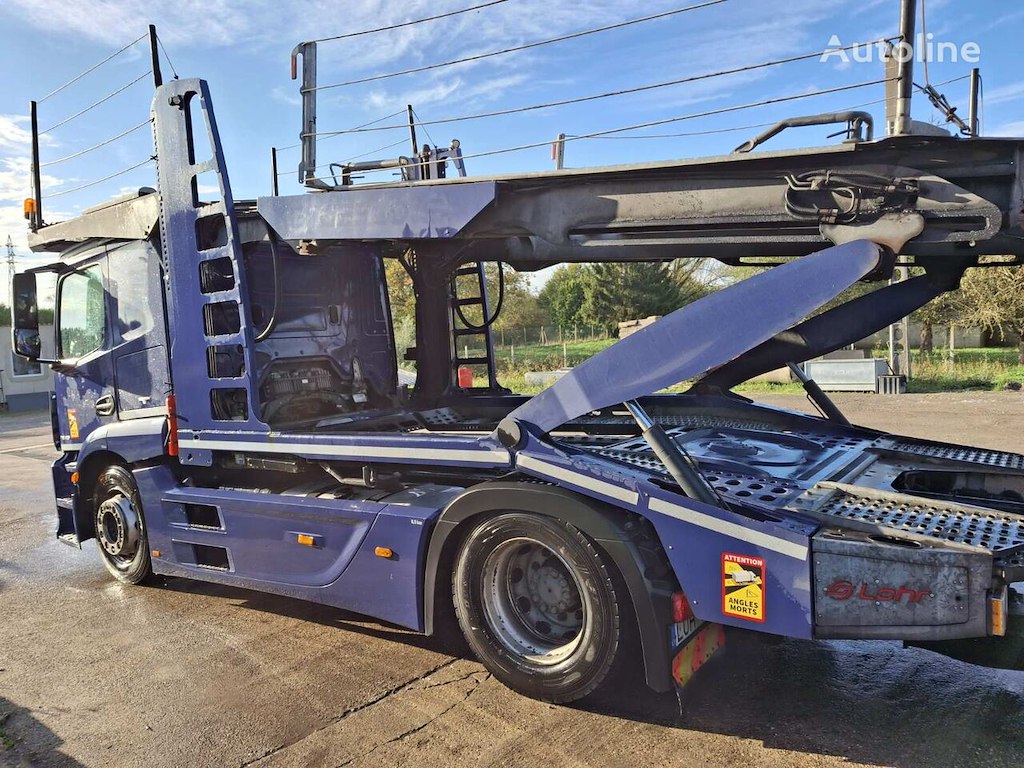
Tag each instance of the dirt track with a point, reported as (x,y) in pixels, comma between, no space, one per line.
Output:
(189,674)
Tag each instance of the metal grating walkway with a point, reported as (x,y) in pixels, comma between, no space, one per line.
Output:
(771,491)
(959,453)
(984,528)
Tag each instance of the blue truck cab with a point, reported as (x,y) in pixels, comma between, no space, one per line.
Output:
(228,407)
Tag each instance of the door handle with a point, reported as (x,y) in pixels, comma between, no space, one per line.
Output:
(105,405)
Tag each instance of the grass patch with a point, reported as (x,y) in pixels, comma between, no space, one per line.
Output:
(5,741)
(973,369)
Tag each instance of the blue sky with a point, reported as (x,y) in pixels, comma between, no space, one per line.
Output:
(243,48)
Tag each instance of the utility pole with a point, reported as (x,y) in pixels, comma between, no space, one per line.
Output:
(11,268)
(558,151)
(412,130)
(975,117)
(899,72)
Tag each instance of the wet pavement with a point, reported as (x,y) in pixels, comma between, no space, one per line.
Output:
(189,674)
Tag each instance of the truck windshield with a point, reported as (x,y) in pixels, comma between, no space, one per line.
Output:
(82,312)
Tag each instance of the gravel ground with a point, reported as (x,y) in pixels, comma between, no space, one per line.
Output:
(191,674)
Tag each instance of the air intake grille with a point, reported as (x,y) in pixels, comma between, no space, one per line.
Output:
(992,530)
(956,453)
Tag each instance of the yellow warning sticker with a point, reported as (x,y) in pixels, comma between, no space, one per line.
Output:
(73,423)
(743,585)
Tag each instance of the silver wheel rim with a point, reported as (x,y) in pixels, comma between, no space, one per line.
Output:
(118,530)
(533,601)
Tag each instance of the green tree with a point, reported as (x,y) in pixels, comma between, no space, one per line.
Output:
(694,278)
(944,309)
(5,315)
(993,298)
(563,295)
(400,292)
(617,292)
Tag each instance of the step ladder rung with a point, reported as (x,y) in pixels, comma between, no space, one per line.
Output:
(471,361)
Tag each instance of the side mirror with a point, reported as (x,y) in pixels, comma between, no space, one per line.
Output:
(25,314)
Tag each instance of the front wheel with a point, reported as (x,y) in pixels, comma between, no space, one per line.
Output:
(539,605)
(120,527)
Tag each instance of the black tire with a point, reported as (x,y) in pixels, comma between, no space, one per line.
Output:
(539,605)
(120,526)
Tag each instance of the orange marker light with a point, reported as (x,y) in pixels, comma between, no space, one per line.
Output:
(306,540)
(74,478)
(383,552)
(156,553)
(998,609)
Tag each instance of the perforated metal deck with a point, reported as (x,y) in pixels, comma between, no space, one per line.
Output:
(766,491)
(957,453)
(1001,532)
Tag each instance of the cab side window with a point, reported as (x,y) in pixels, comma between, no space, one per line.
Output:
(128,273)
(83,313)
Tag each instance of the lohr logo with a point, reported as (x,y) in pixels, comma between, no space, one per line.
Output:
(845,590)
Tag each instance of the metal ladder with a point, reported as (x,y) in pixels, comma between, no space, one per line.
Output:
(463,329)
(211,332)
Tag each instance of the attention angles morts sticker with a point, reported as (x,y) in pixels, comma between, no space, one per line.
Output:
(743,587)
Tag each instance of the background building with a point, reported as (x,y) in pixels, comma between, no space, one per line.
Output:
(25,385)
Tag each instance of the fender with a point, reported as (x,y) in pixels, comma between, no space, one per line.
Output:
(133,439)
(618,532)
(127,442)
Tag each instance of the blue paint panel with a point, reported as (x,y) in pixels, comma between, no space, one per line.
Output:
(701,336)
(390,588)
(695,550)
(696,557)
(139,381)
(397,213)
(259,536)
(260,532)
(133,440)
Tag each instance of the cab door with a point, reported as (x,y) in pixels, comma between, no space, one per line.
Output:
(83,379)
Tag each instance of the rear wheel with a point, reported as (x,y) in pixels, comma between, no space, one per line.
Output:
(120,527)
(539,605)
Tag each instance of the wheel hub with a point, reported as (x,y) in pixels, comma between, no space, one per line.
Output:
(117,527)
(533,600)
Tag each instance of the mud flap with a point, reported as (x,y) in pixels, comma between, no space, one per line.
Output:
(693,645)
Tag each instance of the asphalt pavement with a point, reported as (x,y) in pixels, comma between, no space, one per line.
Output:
(189,674)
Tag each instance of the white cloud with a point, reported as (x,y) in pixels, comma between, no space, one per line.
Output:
(1015,128)
(1004,93)
(14,135)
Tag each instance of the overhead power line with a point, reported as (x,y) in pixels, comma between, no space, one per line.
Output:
(709,132)
(669,120)
(114,175)
(536,44)
(96,146)
(758,125)
(93,68)
(95,104)
(407,23)
(353,130)
(594,97)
